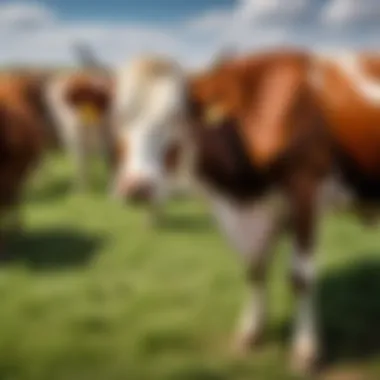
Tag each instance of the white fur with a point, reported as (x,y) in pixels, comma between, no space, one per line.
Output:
(253,317)
(349,63)
(146,112)
(305,336)
(305,342)
(303,267)
(248,226)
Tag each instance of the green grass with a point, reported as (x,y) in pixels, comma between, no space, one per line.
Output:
(93,294)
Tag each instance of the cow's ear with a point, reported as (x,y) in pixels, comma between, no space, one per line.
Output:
(266,126)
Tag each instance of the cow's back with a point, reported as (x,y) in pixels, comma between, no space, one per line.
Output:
(348,90)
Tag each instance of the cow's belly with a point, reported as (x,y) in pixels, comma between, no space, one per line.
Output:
(245,225)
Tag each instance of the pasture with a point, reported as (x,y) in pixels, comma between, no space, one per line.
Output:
(90,293)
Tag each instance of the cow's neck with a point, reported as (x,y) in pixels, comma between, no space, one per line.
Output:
(35,88)
(58,114)
(217,160)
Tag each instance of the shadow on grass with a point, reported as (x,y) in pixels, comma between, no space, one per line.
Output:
(59,187)
(52,249)
(349,312)
(349,302)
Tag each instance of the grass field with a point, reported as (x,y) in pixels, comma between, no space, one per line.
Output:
(92,294)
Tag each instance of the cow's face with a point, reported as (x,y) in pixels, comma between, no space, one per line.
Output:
(89,97)
(147,117)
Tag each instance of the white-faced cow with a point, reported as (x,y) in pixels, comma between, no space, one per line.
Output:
(265,136)
(142,94)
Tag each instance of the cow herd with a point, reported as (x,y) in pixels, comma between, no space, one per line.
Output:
(268,139)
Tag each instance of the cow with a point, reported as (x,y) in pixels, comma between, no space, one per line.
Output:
(30,118)
(78,103)
(270,139)
(137,98)
(22,140)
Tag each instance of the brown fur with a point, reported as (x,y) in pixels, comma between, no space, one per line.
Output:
(371,64)
(271,120)
(269,103)
(353,125)
(22,136)
(83,88)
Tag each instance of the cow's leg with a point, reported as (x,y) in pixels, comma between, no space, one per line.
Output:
(252,230)
(304,203)
(79,154)
(108,148)
(252,321)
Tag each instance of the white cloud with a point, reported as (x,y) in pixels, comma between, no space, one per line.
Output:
(111,42)
(209,21)
(49,40)
(348,12)
(238,29)
(32,33)
(24,15)
(272,10)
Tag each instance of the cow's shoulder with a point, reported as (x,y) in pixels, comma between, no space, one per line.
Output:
(264,106)
(244,74)
(261,93)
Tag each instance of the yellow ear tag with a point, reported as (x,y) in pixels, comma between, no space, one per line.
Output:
(214,115)
(89,115)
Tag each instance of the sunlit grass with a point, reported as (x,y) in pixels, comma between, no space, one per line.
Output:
(92,293)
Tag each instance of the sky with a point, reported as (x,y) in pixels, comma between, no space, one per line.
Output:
(43,32)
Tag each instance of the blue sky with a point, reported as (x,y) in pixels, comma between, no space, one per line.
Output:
(43,32)
(154,11)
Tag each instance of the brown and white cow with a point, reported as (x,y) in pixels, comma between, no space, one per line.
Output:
(33,109)
(267,137)
(142,99)
(77,104)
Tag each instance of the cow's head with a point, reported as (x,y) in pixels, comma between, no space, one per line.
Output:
(89,96)
(148,112)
